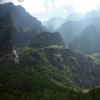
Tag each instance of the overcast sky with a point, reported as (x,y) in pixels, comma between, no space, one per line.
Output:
(44,9)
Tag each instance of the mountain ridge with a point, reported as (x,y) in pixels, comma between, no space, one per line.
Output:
(37,65)
(25,27)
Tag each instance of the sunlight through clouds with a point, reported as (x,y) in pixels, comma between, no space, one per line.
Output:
(53,8)
(59,3)
(35,6)
(85,6)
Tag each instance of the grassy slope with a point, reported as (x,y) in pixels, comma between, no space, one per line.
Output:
(27,81)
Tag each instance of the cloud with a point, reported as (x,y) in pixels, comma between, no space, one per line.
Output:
(20,0)
(3,1)
(44,9)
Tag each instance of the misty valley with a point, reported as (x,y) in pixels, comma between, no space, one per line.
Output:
(55,59)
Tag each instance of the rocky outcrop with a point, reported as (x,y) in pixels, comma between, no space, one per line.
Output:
(6,42)
(47,39)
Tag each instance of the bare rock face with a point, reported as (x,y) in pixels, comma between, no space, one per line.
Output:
(5,35)
(6,39)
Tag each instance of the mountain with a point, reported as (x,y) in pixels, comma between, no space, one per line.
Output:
(49,74)
(24,25)
(75,23)
(37,65)
(93,18)
(53,24)
(75,17)
(74,68)
(88,42)
(71,29)
(5,35)
(47,39)
(21,18)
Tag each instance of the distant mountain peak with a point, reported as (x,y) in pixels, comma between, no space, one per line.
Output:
(88,42)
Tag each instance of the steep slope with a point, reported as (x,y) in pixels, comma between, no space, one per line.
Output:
(47,39)
(51,59)
(63,66)
(75,24)
(25,26)
(7,41)
(48,74)
(45,70)
(21,18)
(26,81)
(76,68)
(5,35)
(93,18)
(88,42)
(71,29)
